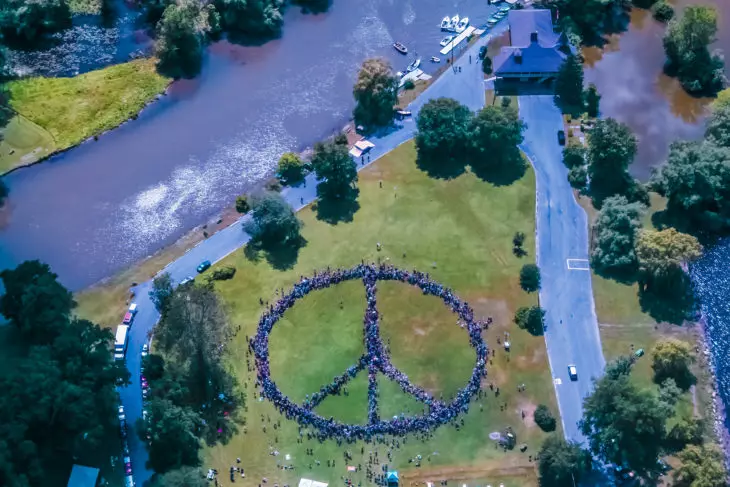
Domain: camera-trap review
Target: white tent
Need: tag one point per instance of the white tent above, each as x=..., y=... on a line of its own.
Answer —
x=311, y=483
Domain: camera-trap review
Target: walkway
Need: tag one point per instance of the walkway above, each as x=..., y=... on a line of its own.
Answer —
x=562, y=253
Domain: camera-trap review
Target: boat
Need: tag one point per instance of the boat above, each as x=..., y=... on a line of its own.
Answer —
x=446, y=23
x=434, y=59
x=414, y=65
x=454, y=21
x=492, y=22
x=505, y=9
x=400, y=48
x=446, y=40
x=462, y=25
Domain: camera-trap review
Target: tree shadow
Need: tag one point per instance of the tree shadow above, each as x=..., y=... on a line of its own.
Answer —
x=441, y=166
x=336, y=210
x=502, y=173
x=281, y=256
x=672, y=300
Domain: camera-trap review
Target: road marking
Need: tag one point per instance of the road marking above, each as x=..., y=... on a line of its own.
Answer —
x=557, y=381
x=578, y=264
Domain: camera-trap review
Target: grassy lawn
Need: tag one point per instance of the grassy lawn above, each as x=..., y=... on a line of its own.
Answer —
x=73, y=109
x=23, y=143
x=460, y=231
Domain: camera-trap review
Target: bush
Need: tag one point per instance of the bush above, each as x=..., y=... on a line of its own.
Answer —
x=544, y=418
x=224, y=273
x=530, y=278
x=242, y=205
x=487, y=65
x=531, y=319
x=578, y=177
x=409, y=84
x=662, y=11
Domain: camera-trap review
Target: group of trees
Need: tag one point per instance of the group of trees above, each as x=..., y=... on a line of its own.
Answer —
x=59, y=400
x=569, y=92
x=450, y=136
x=193, y=395
x=25, y=23
x=587, y=21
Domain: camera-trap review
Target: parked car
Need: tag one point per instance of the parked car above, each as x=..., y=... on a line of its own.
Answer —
x=561, y=137
x=145, y=350
x=127, y=466
x=128, y=481
x=122, y=416
x=128, y=317
x=482, y=52
x=204, y=266
x=573, y=372
x=187, y=280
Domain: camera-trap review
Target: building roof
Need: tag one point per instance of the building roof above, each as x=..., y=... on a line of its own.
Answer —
x=534, y=59
x=83, y=476
x=522, y=23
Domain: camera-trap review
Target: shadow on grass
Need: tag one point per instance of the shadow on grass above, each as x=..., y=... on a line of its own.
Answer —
x=336, y=210
x=440, y=167
x=672, y=301
x=280, y=256
x=501, y=173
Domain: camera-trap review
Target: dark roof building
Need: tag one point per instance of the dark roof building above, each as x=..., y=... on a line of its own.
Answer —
x=535, y=52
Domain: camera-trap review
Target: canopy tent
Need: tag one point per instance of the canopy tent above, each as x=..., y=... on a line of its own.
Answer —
x=392, y=478
x=311, y=483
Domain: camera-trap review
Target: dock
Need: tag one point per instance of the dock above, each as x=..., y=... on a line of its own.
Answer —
x=457, y=40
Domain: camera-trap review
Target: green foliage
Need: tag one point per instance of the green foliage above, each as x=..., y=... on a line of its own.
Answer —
x=561, y=463
x=593, y=100
x=662, y=11
x=718, y=125
x=611, y=150
x=174, y=435
x=242, y=205
x=569, y=85
x=443, y=135
x=273, y=221
x=376, y=93
x=625, y=425
x=619, y=367
x=702, y=466
x=578, y=178
x=544, y=418
x=335, y=170
x=4, y=191
x=153, y=9
x=409, y=85
x=35, y=302
x=644, y=3
x=662, y=253
x=224, y=273
x=574, y=155
x=531, y=319
x=695, y=182
x=686, y=43
x=494, y=134
x=669, y=393
x=614, y=238
x=251, y=19
x=530, y=278
x=687, y=431
x=181, y=37
x=487, y=65
x=517, y=242
x=671, y=359
x=290, y=169
x=24, y=23
x=586, y=21
x=313, y=6
x=161, y=291
x=181, y=477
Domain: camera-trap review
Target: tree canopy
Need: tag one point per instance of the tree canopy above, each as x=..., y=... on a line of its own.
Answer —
x=614, y=238
x=273, y=221
x=671, y=359
x=174, y=436
x=702, y=466
x=561, y=463
x=593, y=100
x=24, y=23
x=376, y=93
x=611, y=150
x=335, y=170
x=686, y=43
x=530, y=278
x=290, y=169
x=181, y=477
x=251, y=19
x=531, y=319
x=494, y=134
x=443, y=133
x=718, y=124
x=587, y=21
x=569, y=85
x=661, y=253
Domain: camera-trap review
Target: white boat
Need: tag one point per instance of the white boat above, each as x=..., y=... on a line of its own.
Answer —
x=446, y=40
x=414, y=65
x=434, y=59
x=462, y=25
x=446, y=23
x=454, y=21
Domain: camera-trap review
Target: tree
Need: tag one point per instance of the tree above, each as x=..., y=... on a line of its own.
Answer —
x=376, y=93
x=531, y=319
x=662, y=253
x=611, y=149
x=181, y=36
x=530, y=278
x=544, y=418
x=335, y=170
x=569, y=85
x=443, y=134
x=701, y=466
x=35, y=301
x=696, y=183
x=24, y=23
x=671, y=359
x=687, y=431
x=242, y=205
x=561, y=463
x=181, y=477
x=662, y=11
x=574, y=155
x=487, y=65
x=625, y=425
x=669, y=392
x=291, y=168
x=686, y=44
x=586, y=21
x=4, y=190
x=494, y=134
x=593, y=100
x=718, y=124
x=173, y=431
x=619, y=367
x=578, y=178
x=314, y=6
x=251, y=19
x=273, y=221
x=161, y=291
x=614, y=238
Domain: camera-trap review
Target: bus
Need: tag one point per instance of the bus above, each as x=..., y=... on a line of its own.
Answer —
x=120, y=342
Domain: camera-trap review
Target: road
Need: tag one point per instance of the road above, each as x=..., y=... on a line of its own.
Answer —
x=571, y=334
x=466, y=86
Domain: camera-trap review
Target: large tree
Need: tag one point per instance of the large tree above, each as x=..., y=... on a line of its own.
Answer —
x=24, y=22
x=672, y=359
x=701, y=466
x=625, y=425
x=181, y=477
x=376, y=93
x=161, y=291
x=443, y=132
x=251, y=19
x=494, y=134
x=174, y=440
x=686, y=44
x=561, y=463
x=696, y=183
x=290, y=169
x=335, y=169
x=569, y=85
x=313, y=6
x=662, y=253
x=273, y=222
x=718, y=124
x=586, y=21
x=611, y=150
x=614, y=238
x=181, y=36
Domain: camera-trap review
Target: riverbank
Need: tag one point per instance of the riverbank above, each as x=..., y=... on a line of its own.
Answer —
x=64, y=112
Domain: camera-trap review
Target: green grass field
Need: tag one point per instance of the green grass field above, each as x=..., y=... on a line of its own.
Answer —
x=460, y=231
x=71, y=110
x=23, y=143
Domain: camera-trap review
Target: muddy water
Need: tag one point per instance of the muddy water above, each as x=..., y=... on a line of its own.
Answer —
x=628, y=74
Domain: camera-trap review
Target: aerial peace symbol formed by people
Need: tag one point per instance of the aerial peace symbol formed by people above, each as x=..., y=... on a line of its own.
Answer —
x=376, y=358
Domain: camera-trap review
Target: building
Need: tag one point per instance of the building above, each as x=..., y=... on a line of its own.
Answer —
x=535, y=51
x=83, y=476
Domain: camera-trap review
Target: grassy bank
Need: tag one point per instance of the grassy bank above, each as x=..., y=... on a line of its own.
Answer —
x=24, y=142
x=70, y=110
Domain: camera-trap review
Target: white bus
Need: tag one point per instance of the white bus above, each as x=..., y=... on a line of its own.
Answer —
x=120, y=343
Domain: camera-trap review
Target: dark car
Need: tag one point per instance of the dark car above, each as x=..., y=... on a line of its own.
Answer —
x=204, y=266
x=561, y=137
x=482, y=52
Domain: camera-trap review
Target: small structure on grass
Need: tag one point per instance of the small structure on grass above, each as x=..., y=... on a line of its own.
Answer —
x=311, y=483
x=392, y=479
x=82, y=476
x=361, y=147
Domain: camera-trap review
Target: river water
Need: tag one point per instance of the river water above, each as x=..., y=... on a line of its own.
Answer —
x=107, y=204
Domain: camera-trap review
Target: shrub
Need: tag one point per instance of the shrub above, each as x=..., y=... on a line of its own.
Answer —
x=242, y=205
x=224, y=273
x=409, y=84
x=662, y=11
x=530, y=278
x=578, y=177
x=531, y=319
x=544, y=418
x=487, y=65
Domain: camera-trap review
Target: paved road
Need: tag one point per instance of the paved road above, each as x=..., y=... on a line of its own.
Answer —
x=567, y=295
x=466, y=87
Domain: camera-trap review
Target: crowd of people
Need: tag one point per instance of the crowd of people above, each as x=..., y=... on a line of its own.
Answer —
x=376, y=358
